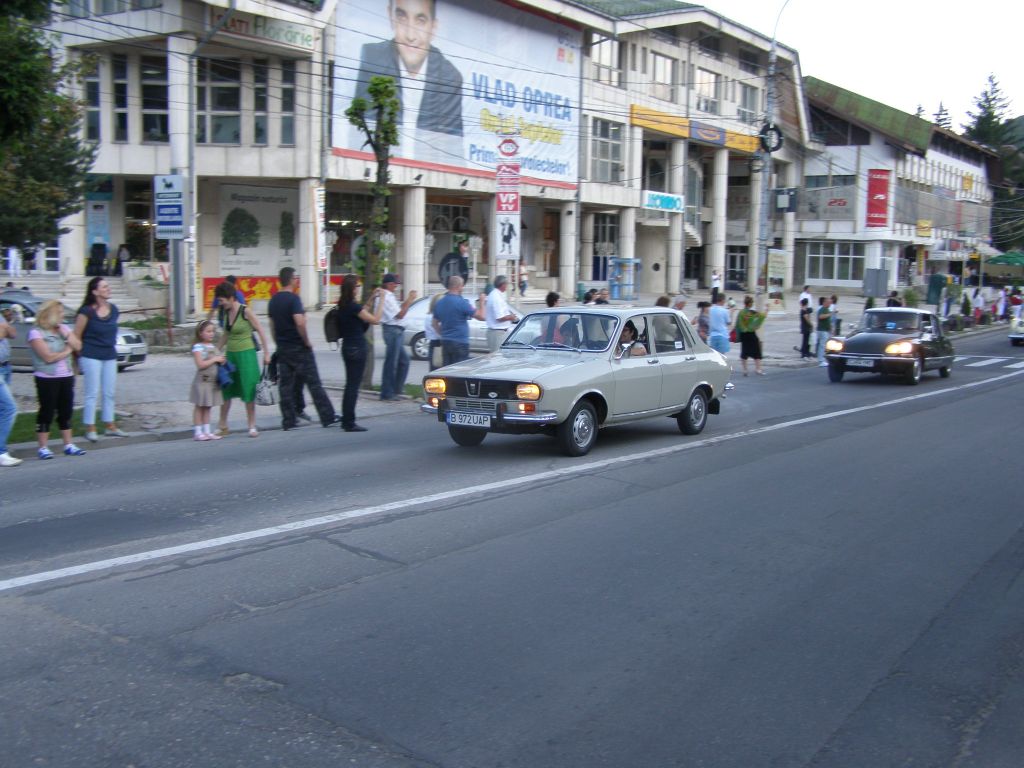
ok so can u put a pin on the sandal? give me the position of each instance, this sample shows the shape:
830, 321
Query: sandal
254, 432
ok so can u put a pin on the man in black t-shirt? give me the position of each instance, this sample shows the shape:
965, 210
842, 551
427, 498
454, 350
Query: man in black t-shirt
296, 363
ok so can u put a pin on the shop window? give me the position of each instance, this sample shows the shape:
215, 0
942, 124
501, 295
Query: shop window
155, 119
605, 151
218, 101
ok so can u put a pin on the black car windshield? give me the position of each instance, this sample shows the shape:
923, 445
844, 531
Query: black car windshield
563, 330
891, 322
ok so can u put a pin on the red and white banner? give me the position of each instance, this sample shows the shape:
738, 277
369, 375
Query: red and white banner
878, 198
506, 200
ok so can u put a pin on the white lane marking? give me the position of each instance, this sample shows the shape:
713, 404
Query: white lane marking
499, 485
1016, 365
961, 358
992, 361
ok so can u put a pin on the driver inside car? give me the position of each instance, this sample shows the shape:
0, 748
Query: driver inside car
628, 342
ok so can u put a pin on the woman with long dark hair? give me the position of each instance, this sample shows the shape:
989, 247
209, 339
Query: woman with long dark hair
353, 321
96, 327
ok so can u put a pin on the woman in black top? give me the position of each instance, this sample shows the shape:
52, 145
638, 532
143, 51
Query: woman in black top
353, 322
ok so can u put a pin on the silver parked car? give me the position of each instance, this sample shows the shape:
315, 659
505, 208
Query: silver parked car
419, 345
131, 345
568, 372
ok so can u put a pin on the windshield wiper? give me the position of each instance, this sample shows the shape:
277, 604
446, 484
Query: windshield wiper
520, 343
555, 345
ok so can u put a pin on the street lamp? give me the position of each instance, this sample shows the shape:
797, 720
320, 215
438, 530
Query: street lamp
771, 141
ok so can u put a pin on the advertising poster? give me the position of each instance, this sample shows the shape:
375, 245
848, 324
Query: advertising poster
257, 229
467, 71
878, 198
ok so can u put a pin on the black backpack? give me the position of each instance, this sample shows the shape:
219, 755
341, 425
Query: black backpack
331, 326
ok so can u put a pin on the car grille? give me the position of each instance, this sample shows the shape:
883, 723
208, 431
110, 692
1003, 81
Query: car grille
131, 338
473, 406
502, 390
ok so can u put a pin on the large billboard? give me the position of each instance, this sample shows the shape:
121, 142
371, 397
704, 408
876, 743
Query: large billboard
467, 71
257, 229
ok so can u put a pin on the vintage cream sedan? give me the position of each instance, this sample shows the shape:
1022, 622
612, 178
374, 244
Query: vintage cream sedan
568, 372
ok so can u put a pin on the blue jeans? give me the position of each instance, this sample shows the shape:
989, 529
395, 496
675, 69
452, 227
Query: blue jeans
8, 411
396, 363
5, 373
719, 343
453, 352
822, 338
100, 378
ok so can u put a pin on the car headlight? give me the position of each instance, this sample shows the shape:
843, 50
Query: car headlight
434, 386
833, 345
899, 348
527, 392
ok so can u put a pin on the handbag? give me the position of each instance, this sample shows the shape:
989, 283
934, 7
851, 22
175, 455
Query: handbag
225, 374
734, 336
266, 392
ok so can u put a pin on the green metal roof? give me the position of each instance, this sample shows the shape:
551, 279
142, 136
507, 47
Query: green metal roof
625, 8
911, 131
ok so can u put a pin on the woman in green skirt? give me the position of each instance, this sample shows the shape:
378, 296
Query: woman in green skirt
239, 326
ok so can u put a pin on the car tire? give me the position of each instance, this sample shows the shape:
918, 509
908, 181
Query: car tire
577, 434
467, 437
419, 347
1017, 342
835, 373
692, 420
945, 371
913, 375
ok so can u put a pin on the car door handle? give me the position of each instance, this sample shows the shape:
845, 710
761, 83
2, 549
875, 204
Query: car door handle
690, 357
652, 361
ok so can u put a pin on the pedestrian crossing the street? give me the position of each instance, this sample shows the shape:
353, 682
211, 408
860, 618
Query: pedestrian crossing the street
969, 361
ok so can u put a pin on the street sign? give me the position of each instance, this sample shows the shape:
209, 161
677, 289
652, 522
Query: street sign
169, 205
507, 201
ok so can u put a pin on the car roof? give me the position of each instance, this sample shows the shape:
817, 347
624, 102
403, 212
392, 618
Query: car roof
607, 309
900, 309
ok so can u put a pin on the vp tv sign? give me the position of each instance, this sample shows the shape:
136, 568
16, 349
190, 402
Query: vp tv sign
508, 202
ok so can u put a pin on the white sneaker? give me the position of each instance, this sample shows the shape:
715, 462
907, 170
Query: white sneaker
823, 365
6, 460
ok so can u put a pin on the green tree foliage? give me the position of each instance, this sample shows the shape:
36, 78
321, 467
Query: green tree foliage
988, 123
286, 232
377, 119
941, 118
240, 230
43, 159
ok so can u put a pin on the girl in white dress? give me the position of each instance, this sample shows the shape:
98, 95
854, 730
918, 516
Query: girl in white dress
205, 393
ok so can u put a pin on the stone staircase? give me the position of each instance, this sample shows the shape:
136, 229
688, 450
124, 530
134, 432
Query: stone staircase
72, 290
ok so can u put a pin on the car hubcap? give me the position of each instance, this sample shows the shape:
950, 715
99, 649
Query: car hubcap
696, 410
582, 428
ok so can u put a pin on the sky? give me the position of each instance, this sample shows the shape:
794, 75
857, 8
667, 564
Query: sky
899, 52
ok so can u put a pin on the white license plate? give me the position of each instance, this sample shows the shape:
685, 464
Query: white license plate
469, 419
854, 362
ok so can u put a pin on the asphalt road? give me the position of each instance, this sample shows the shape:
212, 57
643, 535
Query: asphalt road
828, 576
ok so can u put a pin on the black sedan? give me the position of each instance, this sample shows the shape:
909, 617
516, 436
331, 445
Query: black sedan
898, 340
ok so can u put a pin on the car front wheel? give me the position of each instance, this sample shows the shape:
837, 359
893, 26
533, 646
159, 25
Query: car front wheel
835, 373
944, 371
914, 372
420, 347
467, 437
578, 433
692, 420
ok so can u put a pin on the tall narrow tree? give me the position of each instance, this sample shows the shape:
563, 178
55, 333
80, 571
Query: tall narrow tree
988, 121
377, 119
941, 118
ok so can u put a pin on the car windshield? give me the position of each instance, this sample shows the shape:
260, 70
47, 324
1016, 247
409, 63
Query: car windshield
563, 330
891, 322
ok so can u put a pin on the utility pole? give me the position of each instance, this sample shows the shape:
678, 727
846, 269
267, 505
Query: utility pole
771, 141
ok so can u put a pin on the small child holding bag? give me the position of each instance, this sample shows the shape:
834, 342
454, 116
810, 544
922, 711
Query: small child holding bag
205, 392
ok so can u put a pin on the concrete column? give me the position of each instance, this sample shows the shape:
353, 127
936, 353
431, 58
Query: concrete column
676, 185
788, 173
567, 250
72, 246
183, 299
305, 242
627, 240
414, 270
586, 248
494, 239
719, 190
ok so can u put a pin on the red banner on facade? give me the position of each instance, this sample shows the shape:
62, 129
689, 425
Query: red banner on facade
254, 288
878, 198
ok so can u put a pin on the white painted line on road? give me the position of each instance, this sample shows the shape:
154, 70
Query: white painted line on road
484, 488
1017, 365
992, 361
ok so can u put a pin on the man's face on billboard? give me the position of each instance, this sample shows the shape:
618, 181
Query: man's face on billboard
413, 22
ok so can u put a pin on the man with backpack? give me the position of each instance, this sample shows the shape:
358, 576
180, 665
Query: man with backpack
296, 363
